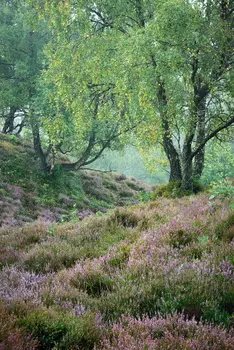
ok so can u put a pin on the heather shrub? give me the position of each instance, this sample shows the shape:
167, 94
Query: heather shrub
111, 184
164, 280
200, 289
228, 235
12, 337
97, 234
183, 236
194, 250
121, 177
8, 256
25, 236
126, 192
63, 331
224, 230
172, 332
126, 218
91, 277
50, 257
19, 285
119, 256
134, 297
59, 293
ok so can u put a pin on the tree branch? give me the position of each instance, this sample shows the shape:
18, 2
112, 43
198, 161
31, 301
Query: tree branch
211, 135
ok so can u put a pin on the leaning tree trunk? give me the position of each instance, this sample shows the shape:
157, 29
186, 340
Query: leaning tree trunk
8, 127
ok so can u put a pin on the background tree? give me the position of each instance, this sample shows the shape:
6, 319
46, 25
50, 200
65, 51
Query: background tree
167, 62
21, 63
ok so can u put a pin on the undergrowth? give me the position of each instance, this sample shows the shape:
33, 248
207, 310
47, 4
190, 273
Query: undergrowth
158, 275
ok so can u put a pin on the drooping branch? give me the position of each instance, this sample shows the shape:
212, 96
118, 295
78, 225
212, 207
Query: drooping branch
84, 157
211, 135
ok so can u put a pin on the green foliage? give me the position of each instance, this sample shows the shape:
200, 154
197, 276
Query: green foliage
225, 230
222, 189
223, 166
61, 331
173, 190
126, 218
51, 257
10, 334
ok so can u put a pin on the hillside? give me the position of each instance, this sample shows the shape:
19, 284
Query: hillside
27, 195
156, 276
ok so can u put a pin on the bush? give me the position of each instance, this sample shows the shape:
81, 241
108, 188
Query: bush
173, 332
225, 229
51, 257
12, 337
170, 190
173, 190
91, 278
62, 331
126, 218
182, 237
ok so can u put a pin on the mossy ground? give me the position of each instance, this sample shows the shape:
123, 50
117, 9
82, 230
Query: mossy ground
26, 194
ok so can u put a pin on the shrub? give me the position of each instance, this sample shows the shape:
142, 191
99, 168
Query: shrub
173, 190
62, 331
225, 228
51, 257
126, 217
120, 255
17, 285
90, 277
183, 237
173, 332
170, 190
12, 337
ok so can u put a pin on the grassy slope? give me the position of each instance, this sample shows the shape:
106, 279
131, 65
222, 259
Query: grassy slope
26, 195
83, 285
66, 283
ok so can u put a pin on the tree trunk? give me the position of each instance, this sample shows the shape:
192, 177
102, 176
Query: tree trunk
170, 150
37, 145
199, 164
8, 127
187, 171
173, 157
201, 134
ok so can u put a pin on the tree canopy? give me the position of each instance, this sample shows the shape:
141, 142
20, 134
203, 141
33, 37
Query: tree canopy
160, 69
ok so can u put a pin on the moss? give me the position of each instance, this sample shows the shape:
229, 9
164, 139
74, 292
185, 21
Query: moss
170, 190
173, 190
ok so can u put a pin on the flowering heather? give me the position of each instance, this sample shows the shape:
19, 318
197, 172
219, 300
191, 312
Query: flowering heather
160, 258
12, 337
172, 332
16, 191
19, 285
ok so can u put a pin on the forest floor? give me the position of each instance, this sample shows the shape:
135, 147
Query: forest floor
155, 275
